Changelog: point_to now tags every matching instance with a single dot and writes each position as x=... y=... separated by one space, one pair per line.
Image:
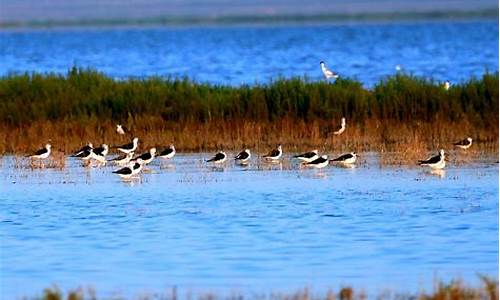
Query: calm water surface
x=454 y=50
x=245 y=229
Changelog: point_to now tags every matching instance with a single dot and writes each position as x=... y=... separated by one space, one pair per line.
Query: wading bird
x=130 y=147
x=167 y=153
x=319 y=162
x=307 y=156
x=348 y=159
x=274 y=154
x=243 y=156
x=464 y=144
x=218 y=158
x=436 y=162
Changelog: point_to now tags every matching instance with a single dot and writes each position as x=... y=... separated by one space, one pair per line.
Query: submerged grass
x=401 y=113
x=454 y=290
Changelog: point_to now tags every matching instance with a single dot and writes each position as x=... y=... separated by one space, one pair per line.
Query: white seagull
x=147 y=157
x=100 y=153
x=167 y=153
x=124 y=159
x=446 y=85
x=243 y=156
x=340 y=129
x=436 y=162
x=307 y=156
x=119 y=129
x=326 y=72
x=42 y=153
x=274 y=154
x=134 y=168
x=464 y=144
x=218 y=158
x=319 y=162
x=130 y=147
x=348 y=159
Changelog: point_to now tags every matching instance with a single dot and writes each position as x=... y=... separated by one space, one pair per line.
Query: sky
x=57 y=10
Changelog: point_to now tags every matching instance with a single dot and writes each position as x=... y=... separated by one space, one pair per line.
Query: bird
x=307 y=156
x=446 y=85
x=42 y=153
x=319 y=162
x=274 y=154
x=340 y=129
x=86 y=154
x=464 y=144
x=130 y=147
x=348 y=159
x=100 y=153
x=119 y=129
x=398 y=68
x=218 y=158
x=436 y=162
x=167 y=153
x=326 y=72
x=243 y=156
x=134 y=168
x=84 y=151
x=123 y=159
x=147 y=157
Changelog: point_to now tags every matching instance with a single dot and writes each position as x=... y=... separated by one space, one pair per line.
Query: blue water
x=443 y=50
x=261 y=228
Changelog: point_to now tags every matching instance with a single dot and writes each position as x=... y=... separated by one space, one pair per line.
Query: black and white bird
x=120 y=129
x=42 y=153
x=348 y=159
x=130 y=147
x=274 y=154
x=100 y=153
x=146 y=157
x=464 y=144
x=446 y=85
x=243 y=157
x=123 y=159
x=307 y=156
x=84 y=151
x=436 y=162
x=167 y=153
x=340 y=129
x=319 y=162
x=218 y=158
x=134 y=168
x=326 y=72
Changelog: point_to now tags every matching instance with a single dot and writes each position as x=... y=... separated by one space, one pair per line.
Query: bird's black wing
x=432 y=160
x=123 y=171
x=317 y=161
x=126 y=146
x=343 y=157
x=40 y=152
x=242 y=155
x=166 y=152
x=462 y=143
x=99 y=150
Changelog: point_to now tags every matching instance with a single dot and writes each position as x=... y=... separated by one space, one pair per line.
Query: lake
x=259 y=228
x=443 y=50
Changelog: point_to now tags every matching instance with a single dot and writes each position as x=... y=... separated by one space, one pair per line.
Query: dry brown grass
x=411 y=141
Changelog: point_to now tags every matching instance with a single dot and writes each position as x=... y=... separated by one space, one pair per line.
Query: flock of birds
x=133 y=164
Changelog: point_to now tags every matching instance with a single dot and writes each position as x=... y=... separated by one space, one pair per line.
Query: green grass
x=83 y=94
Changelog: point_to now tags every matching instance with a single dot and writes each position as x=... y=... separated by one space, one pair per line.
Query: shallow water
x=259 y=228
x=443 y=50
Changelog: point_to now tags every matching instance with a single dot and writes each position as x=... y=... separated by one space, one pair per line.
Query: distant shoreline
x=235 y=20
